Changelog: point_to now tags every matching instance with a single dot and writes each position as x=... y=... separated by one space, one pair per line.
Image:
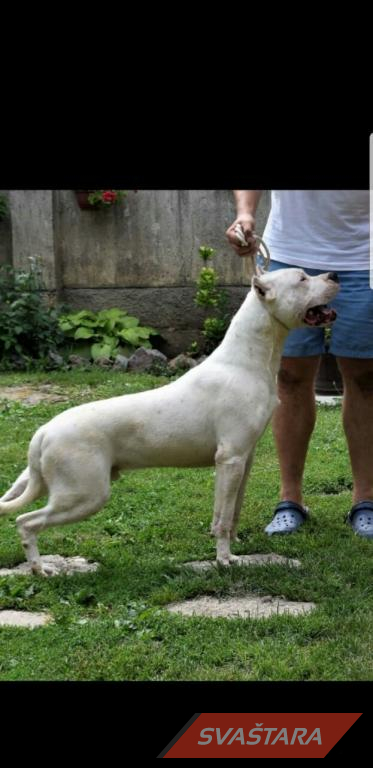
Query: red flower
x=109 y=196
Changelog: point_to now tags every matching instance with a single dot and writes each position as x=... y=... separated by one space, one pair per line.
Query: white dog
x=214 y=414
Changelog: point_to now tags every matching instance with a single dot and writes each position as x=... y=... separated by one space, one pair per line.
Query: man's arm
x=246 y=204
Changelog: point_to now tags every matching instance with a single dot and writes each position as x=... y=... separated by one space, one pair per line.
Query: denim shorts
x=352 y=331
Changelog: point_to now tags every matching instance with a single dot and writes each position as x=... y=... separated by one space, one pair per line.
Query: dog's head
x=296 y=299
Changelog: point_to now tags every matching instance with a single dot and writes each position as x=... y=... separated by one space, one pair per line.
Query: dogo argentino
x=213 y=414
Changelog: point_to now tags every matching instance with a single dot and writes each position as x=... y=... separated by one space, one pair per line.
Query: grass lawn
x=112 y=624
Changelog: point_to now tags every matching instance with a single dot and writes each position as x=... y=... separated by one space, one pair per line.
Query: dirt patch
x=62 y=566
x=33 y=395
x=245 y=560
x=24 y=619
x=248 y=607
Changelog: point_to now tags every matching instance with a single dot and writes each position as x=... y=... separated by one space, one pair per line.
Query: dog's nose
x=333 y=276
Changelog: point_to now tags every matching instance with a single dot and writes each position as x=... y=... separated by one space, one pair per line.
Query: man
x=319 y=231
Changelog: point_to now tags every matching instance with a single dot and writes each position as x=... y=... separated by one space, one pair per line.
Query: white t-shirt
x=319 y=228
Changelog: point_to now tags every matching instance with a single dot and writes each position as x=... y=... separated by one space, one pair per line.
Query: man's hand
x=247 y=223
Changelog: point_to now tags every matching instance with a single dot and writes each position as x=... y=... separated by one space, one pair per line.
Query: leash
x=253 y=267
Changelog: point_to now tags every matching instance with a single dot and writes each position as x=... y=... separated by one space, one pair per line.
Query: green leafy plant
x=206 y=253
x=214 y=329
x=29 y=326
x=193 y=349
x=105 y=198
x=209 y=295
x=3 y=207
x=106 y=333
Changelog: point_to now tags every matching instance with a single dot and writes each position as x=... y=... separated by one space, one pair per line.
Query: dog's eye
x=303 y=278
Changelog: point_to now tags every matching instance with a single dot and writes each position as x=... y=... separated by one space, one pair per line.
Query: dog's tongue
x=320 y=315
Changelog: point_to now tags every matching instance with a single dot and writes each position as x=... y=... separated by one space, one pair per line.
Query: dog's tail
x=29 y=485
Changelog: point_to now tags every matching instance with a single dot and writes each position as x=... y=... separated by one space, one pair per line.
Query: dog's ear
x=264 y=291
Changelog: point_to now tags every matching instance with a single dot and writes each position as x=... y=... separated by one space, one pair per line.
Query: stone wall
x=5 y=236
x=141 y=256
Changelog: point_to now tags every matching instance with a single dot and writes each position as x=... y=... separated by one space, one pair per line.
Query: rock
x=60 y=565
x=143 y=359
x=201 y=359
x=328 y=400
x=76 y=361
x=56 y=359
x=182 y=361
x=17 y=362
x=103 y=362
x=270 y=558
x=24 y=619
x=248 y=607
x=121 y=363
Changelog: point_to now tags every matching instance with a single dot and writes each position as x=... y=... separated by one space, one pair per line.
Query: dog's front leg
x=228 y=479
x=240 y=497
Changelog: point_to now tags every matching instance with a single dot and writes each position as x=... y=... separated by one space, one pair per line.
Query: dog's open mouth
x=320 y=315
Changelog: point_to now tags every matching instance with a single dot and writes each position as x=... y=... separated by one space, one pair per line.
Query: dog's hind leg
x=31 y=523
x=71 y=499
x=229 y=476
x=29 y=526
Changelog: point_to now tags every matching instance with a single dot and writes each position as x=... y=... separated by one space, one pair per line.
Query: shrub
x=210 y=295
x=28 y=325
x=106 y=333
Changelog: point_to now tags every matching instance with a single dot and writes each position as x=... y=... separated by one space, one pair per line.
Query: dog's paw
x=45 y=570
x=227 y=560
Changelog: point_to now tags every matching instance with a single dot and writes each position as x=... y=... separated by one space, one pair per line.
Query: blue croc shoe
x=288 y=517
x=361 y=519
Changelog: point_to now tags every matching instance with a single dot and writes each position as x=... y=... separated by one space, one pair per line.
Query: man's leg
x=293 y=423
x=294 y=420
x=358 y=422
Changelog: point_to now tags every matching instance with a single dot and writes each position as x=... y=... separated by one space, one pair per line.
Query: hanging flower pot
x=95 y=199
x=82 y=198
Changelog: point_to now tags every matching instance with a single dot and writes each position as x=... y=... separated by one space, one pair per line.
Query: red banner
x=247 y=734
